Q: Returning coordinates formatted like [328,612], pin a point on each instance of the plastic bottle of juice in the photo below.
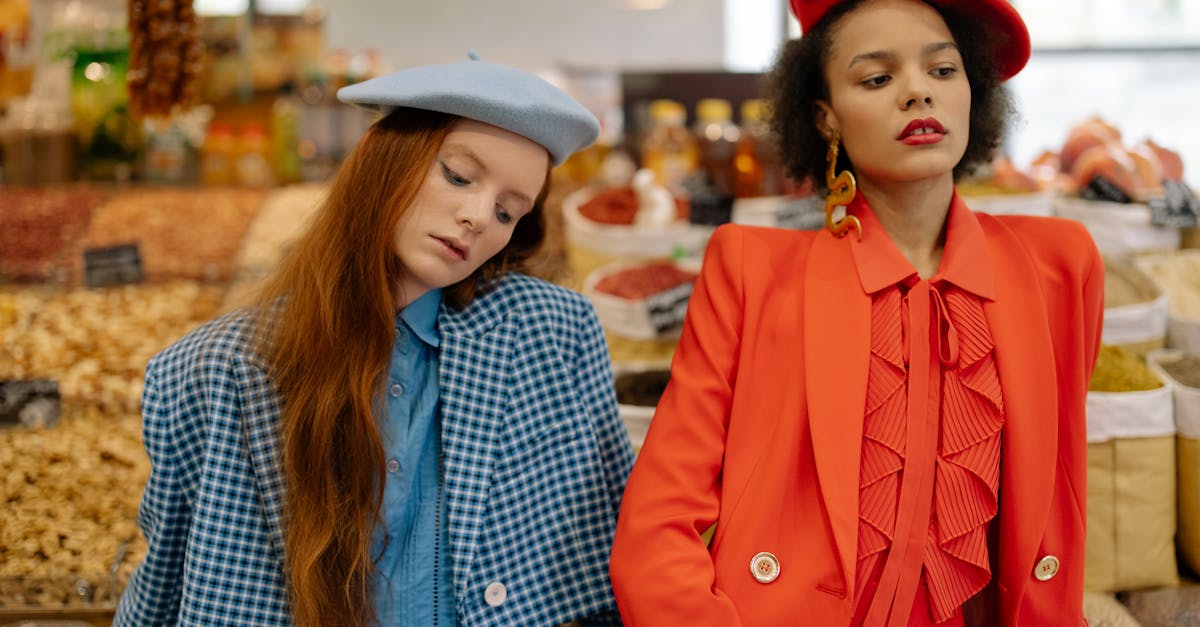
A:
[668,149]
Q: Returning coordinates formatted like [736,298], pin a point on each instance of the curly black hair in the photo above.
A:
[798,81]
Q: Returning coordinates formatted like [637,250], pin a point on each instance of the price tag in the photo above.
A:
[667,309]
[801,215]
[1179,207]
[709,205]
[1102,189]
[114,265]
[33,403]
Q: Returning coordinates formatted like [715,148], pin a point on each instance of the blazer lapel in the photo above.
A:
[1025,361]
[473,397]
[261,408]
[837,322]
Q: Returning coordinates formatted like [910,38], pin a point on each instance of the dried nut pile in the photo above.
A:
[165,55]
[284,215]
[37,224]
[181,234]
[17,307]
[96,343]
[70,497]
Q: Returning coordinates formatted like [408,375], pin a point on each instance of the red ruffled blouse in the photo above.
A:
[931,433]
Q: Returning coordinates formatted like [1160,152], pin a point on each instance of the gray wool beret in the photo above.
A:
[500,95]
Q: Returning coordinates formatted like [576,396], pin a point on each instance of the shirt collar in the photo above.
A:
[966,261]
[421,317]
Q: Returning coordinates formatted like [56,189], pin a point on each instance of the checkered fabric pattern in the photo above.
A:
[535,454]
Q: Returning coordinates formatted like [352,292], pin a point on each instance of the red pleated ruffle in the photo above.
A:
[966,475]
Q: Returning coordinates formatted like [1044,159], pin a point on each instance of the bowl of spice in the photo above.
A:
[642,300]
[636,221]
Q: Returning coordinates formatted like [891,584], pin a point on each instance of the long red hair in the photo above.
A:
[326,331]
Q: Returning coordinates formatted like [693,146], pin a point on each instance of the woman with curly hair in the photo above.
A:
[884,419]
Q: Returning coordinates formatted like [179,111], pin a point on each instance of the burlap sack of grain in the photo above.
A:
[1104,610]
[1131,492]
[1182,372]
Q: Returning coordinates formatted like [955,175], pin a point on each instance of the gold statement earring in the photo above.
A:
[841,191]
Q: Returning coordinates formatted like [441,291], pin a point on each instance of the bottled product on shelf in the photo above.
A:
[38,140]
[218,155]
[759,170]
[669,150]
[716,139]
[17,50]
[93,35]
[252,165]
[285,135]
[319,141]
[169,154]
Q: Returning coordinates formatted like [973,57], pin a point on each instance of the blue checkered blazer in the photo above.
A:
[535,454]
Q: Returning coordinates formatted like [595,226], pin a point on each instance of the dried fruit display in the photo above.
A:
[96,343]
[37,225]
[165,55]
[70,497]
[181,233]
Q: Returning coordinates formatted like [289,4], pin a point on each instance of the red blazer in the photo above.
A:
[760,432]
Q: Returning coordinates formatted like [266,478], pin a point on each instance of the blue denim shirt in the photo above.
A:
[414,582]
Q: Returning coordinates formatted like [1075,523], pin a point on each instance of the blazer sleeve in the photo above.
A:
[153,593]
[660,567]
[1093,308]
[595,384]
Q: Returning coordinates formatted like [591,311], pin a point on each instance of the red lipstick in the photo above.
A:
[926,131]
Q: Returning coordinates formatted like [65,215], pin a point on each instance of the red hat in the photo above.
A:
[998,16]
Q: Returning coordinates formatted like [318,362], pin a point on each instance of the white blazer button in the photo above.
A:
[1046,568]
[764,567]
[495,594]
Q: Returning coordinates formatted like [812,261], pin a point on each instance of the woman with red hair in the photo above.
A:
[405,430]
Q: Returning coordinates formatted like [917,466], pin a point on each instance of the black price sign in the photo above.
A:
[33,403]
[709,204]
[667,309]
[1179,207]
[801,215]
[114,265]
[1100,188]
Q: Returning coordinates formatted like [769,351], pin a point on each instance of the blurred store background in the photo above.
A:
[157,157]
